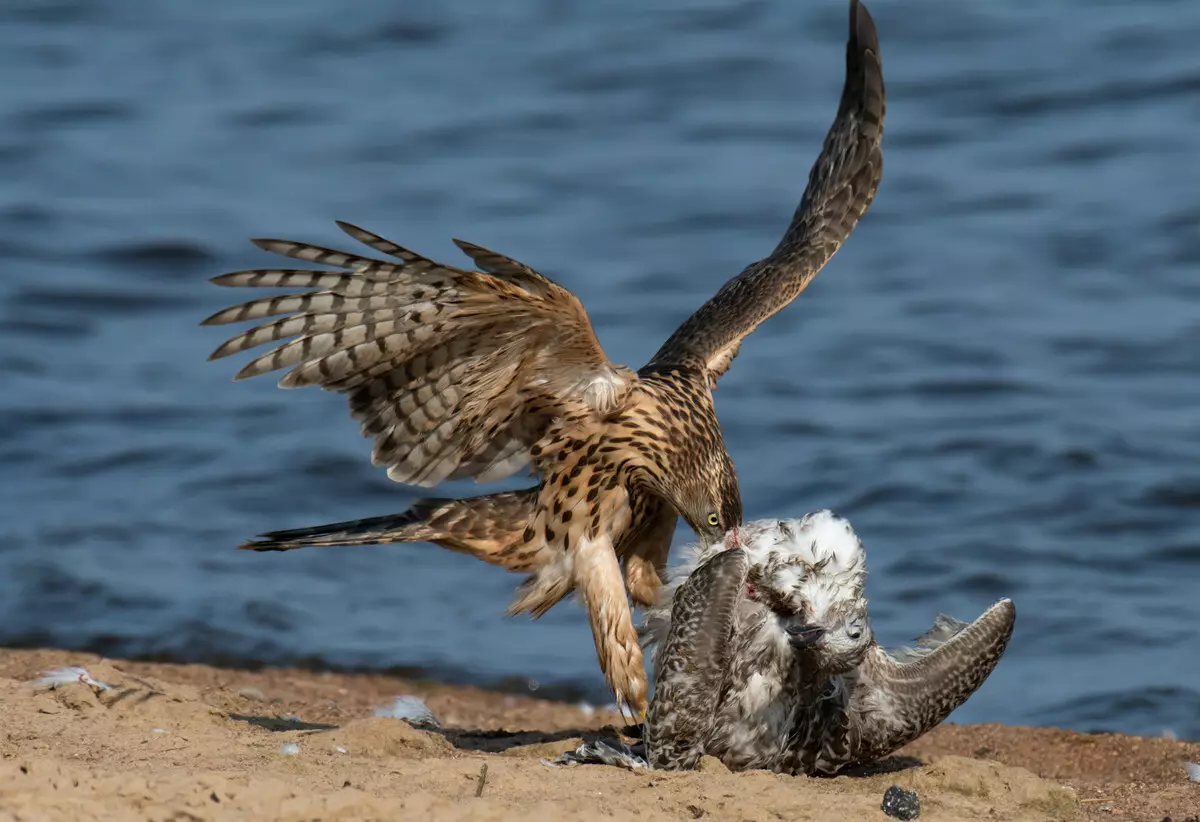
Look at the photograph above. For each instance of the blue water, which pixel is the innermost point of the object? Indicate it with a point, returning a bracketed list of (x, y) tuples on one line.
[(997, 380)]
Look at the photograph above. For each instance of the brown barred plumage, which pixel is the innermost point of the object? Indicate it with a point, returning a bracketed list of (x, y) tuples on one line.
[(461, 373)]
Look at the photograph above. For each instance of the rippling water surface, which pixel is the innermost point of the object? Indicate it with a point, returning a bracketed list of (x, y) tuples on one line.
[(995, 380)]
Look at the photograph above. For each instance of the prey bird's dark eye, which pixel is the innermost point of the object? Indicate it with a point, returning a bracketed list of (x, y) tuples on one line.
[(714, 520)]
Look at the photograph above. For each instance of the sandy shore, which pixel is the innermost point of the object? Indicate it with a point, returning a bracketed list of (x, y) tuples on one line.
[(192, 742)]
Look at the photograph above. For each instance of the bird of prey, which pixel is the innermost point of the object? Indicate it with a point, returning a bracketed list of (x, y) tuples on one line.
[(458, 372), (765, 658)]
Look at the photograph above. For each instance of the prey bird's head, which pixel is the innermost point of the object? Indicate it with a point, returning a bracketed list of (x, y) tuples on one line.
[(836, 640), (811, 573)]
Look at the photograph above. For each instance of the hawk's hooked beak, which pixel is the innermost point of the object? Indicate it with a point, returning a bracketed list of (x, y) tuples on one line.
[(804, 636)]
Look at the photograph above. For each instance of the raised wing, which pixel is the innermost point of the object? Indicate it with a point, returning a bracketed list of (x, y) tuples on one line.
[(903, 694), (453, 373), (693, 662), (841, 185)]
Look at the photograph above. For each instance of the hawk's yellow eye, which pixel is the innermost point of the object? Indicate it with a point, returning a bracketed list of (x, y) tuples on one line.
[(714, 520)]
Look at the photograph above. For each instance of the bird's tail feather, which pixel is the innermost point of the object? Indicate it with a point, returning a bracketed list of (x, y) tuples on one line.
[(488, 527), (407, 527)]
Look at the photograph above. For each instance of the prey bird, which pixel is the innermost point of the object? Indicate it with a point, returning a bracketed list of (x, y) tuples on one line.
[(479, 373), (765, 658)]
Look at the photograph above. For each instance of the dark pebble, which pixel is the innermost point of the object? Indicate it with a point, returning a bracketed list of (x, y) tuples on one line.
[(901, 804)]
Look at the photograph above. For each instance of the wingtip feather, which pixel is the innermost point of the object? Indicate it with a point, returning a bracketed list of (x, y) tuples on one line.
[(230, 279), (223, 317), (863, 34), (250, 369), (352, 230), (1007, 607)]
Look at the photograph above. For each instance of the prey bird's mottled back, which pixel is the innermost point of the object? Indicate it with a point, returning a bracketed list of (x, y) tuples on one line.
[(766, 659), (482, 372)]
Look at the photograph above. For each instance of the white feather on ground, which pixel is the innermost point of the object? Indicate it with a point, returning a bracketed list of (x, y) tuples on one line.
[(411, 709), (67, 676)]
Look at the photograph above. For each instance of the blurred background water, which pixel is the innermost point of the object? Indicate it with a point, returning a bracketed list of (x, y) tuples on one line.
[(995, 380)]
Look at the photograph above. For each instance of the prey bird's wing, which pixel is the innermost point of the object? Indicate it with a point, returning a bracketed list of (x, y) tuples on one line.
[(903, 694), (841, 185), (453, 373), (694, 661)]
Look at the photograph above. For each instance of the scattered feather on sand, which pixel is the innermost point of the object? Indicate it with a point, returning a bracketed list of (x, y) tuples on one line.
[(252, 693), (289, 749), (66, 676), (411, 709), (600, 752), (1193, 771)]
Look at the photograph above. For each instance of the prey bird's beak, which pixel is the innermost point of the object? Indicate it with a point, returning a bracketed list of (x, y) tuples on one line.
[(804, 636)]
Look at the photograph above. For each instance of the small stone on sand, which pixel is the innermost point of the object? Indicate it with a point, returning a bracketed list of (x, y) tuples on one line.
[(901, 804)]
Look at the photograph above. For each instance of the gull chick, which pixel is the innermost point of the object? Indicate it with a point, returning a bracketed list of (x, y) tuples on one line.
[(765, 657)]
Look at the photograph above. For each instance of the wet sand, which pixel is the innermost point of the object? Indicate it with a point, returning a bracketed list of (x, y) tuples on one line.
[(194, 742)]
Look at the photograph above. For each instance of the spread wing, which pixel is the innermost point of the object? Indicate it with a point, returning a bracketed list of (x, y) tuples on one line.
[(903, 694), (841, 185), (453, 373), (693, 661)]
